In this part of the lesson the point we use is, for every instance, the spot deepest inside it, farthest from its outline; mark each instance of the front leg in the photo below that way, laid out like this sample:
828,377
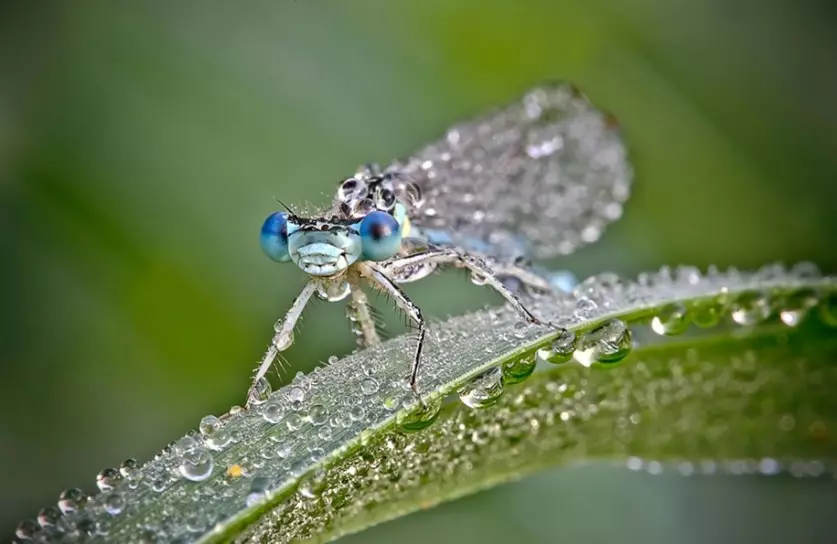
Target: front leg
442,255
283,338
379,278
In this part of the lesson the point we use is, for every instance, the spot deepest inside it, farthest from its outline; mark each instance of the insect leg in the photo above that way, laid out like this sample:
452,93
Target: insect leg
284,335
380,279
363,322
443,255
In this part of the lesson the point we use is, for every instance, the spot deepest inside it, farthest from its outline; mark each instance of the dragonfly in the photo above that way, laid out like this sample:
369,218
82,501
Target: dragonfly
536,179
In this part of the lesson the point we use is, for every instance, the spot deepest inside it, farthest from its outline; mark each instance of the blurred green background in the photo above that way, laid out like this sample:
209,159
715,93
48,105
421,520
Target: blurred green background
143,143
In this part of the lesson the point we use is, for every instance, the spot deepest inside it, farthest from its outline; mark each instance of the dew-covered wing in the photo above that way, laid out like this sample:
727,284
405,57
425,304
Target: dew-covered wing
549,171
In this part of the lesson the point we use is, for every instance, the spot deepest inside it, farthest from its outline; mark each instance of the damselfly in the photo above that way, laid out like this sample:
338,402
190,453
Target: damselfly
537,178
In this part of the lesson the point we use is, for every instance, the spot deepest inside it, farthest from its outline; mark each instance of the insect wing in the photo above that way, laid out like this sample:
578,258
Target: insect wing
546,174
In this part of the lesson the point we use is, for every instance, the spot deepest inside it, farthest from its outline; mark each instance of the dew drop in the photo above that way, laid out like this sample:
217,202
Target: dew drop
607,344
560,350
797,305
258,490
218,440
27,529
483,390
671,320
260,392
390,403
72,500
313,486
707,314
318,414
49,516
114,503
515,371
420,418
584,307
333,291
369,386
333,359
187,443
196,465
108,478
293,421
751,307
282,341
272,412
296,394
357,413
128,466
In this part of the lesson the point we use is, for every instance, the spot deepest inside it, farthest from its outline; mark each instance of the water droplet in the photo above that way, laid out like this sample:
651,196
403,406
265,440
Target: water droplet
828,310
296,394
159,484
259,392
607,344
49,516
560,350
515,371
484,390
369,386
318,414
72,500
282,340
751,307
196,465
584,307
235,410
293,421
324,433
258,492
218,440
797,305
357,413
114,503
390,403
27,529
187,443
333,291
272,412
108,478
313,486
128,466
333,359
707,314
670,320
420,418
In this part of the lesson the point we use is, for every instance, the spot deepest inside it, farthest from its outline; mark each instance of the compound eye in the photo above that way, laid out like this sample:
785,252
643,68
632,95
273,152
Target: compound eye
380,236
274,237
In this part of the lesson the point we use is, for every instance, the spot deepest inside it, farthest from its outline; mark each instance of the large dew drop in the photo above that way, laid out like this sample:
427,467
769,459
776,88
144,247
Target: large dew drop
422,417
560,350
607,344
484,390
196,465
517,370
797,305
672,319
751,308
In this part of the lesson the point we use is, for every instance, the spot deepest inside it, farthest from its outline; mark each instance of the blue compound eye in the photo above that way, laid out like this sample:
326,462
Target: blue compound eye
380,236
274,237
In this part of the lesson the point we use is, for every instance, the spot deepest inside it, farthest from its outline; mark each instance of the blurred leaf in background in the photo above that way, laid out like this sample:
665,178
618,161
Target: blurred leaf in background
143,143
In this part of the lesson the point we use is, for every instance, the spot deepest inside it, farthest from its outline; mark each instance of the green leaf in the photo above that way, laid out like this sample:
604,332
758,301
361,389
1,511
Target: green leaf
348,446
